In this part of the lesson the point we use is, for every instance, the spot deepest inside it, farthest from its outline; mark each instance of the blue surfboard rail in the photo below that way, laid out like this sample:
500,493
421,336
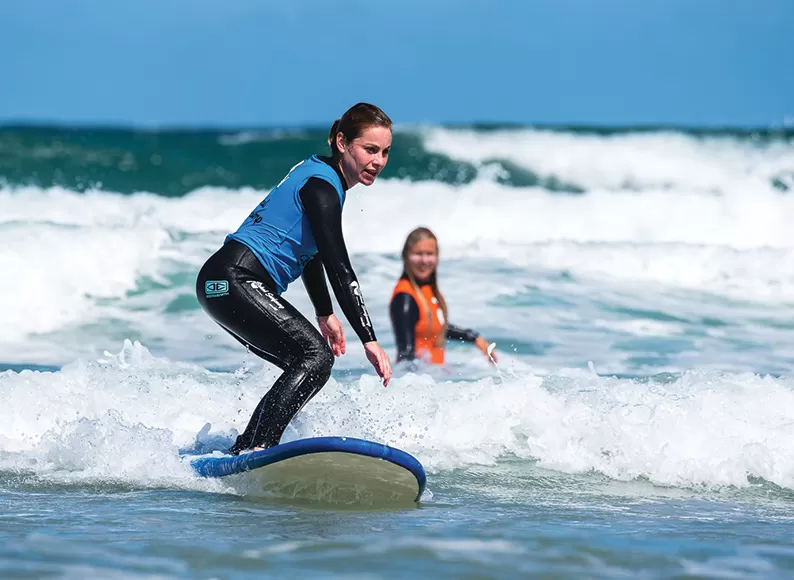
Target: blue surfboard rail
229,465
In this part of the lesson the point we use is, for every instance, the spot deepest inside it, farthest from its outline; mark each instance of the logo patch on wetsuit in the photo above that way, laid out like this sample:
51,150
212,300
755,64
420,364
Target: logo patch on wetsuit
364,315
272,298
216,288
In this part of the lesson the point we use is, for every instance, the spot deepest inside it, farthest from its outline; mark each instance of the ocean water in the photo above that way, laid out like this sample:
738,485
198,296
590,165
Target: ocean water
638,284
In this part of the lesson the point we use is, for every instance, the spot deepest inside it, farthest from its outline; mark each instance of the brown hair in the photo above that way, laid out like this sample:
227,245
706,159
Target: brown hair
357,118
416,236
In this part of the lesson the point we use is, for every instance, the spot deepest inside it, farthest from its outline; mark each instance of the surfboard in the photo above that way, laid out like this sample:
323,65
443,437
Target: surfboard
340,470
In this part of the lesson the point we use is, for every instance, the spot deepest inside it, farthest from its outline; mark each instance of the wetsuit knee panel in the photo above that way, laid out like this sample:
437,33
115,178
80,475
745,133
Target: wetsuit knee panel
319,362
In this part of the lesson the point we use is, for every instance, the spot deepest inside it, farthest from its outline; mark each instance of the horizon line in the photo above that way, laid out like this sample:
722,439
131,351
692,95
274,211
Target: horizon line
786,126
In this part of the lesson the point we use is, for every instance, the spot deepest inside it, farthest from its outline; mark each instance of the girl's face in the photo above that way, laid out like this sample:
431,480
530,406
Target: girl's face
423,259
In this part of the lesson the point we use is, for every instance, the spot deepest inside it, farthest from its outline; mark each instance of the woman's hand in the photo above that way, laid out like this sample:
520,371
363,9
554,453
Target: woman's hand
379,359
333,332
483,345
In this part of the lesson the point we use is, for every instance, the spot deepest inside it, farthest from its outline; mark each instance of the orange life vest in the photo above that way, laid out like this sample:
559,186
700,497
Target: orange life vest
428,328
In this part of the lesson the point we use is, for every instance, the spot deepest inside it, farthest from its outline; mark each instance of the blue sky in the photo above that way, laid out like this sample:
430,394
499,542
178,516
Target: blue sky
294,62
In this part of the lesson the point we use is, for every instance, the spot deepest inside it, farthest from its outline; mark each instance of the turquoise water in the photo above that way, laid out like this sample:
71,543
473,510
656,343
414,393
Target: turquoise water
637,284
512,519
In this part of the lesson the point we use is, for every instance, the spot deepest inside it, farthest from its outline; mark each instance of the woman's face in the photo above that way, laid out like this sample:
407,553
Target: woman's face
363,158
423,259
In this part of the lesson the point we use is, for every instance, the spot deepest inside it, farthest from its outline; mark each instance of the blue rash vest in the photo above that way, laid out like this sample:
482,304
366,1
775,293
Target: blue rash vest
278,231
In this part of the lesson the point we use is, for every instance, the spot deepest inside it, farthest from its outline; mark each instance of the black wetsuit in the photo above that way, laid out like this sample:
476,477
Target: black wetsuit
404,313
272,328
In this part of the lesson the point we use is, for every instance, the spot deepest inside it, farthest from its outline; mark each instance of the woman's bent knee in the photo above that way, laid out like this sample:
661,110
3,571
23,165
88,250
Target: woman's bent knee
319,363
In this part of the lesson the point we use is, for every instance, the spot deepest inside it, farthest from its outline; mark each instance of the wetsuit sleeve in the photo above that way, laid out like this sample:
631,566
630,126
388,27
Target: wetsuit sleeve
313,277
404,316
324,212
458,333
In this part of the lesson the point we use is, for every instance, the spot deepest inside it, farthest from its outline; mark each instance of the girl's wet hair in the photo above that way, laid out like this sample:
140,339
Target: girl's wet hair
355,120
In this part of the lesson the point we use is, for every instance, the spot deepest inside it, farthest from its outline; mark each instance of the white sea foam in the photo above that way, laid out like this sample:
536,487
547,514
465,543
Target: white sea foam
126,419
653,160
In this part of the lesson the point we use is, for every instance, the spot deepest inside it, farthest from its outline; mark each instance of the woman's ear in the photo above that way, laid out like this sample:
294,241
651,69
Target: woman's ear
341,142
